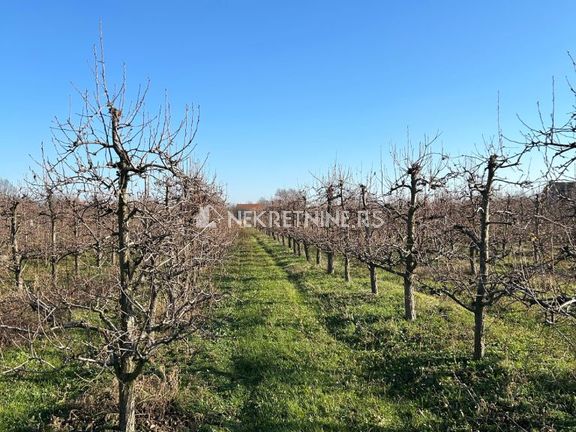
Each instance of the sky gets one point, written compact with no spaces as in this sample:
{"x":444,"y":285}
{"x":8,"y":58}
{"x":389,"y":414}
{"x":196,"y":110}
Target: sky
{"x":286,"y":89}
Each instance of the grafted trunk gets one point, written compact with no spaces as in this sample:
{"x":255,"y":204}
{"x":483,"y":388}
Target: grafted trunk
{"x":347,"y":276}
{"x":330,"y":262}
{"x":76,"y":265}
{"x":479,"y":346}
{"x":76,"y":242}
{"x":537,"y":242}
{"x":53,"y":252}
{"x":16,"y":255}
{"x":318,"y":256}
{"x":409,"y":306}
{"x":98,"y":254}
{"x":347,"y":237}
{"x":410,"y":262}
{"x":307,"y":251}
{"x":484,"y":257}
{"x":330,"y":254}
{"x":368,"y":239}
{"x":18,"y":280}
{"x":127,"y":406}
{"x":479,"y":304}
{"x":472,"y":258}
{"x":373,"y":279}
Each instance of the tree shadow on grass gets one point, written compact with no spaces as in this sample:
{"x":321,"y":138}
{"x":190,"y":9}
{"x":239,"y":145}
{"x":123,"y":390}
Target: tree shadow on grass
{"x":32,"y":398}
{"x":486,"y":395}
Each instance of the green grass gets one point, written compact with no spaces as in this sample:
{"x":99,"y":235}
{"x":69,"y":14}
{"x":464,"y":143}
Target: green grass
{"x":275,"y":366}
{"x":28,"y":400}
{"x":290,"y":348}
{"x":299,"y":350}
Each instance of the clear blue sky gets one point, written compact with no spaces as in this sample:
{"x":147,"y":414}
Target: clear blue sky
{"x":288,"y":87}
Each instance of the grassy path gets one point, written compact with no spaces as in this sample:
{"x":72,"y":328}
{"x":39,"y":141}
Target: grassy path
{"x":298,"y":350}
{"x":277,"y":367}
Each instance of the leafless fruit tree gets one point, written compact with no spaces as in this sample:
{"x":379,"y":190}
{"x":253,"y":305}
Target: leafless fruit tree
{"x":419,"y":175}
{"x":478,"y":218}
{"x":127,"y":177}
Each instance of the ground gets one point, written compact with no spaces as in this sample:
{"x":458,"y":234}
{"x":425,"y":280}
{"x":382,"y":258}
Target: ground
{"x":289,"y":348}
{"x":299,"y":350}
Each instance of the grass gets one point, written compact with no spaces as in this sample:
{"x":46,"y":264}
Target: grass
{"x":299,"y":350}
{"x":276,"y":367}
{"x":29,"y":400}
{"x":290,"y":348}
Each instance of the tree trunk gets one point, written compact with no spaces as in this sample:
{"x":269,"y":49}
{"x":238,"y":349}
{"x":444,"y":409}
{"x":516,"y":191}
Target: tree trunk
{"x":16,"y":255}
{"x":283,"y":241}
{"x":536,"y":243}
{"x":330,"y":262}
{"x":318,"y":256}
{"x":409,"y":306}
{"x":410,"y":262}
{"x":98,"y":255}
{"x":368,"y":237}
{"x":484,"y":256}
{"x":127,"y":406}
{"x":299,"y":248}
{"x":76,"y":241}
{"x":126,"y":371}
{"x":330,"y":253}
{"x":373,"y":279}
{"x":478,"y":330}
{"x":347,"y":276}
{"x":53,"y":253}
{"x":289,"y":242}
{"x":18,"y":280}
{"x":306,"y":251}
{"x":76,"y":265}
{"x":472,"y":258}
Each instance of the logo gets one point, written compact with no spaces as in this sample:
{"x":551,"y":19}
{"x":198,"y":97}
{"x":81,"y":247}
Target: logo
{"x":208,"y":216}
{"x":204,"y":219}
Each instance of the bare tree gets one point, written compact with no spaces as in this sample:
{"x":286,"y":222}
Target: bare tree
{"x":365,"y":239}
{"x":479,"y":289}
{"x":417,"y":175}
{"x":138,"y":168}
{"x":555,"y":211}
{"x":329,"y":191}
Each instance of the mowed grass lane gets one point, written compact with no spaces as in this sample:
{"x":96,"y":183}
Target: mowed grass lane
{"x":298,"y":350}
{"x":274,"y":366}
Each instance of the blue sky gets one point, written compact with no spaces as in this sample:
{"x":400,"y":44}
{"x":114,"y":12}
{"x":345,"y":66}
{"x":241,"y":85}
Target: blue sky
{"x":286,"y":88}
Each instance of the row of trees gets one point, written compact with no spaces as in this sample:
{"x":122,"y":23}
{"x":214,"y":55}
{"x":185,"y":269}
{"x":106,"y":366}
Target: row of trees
{"x":471,"y":228}
{"x":103,"y":250}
